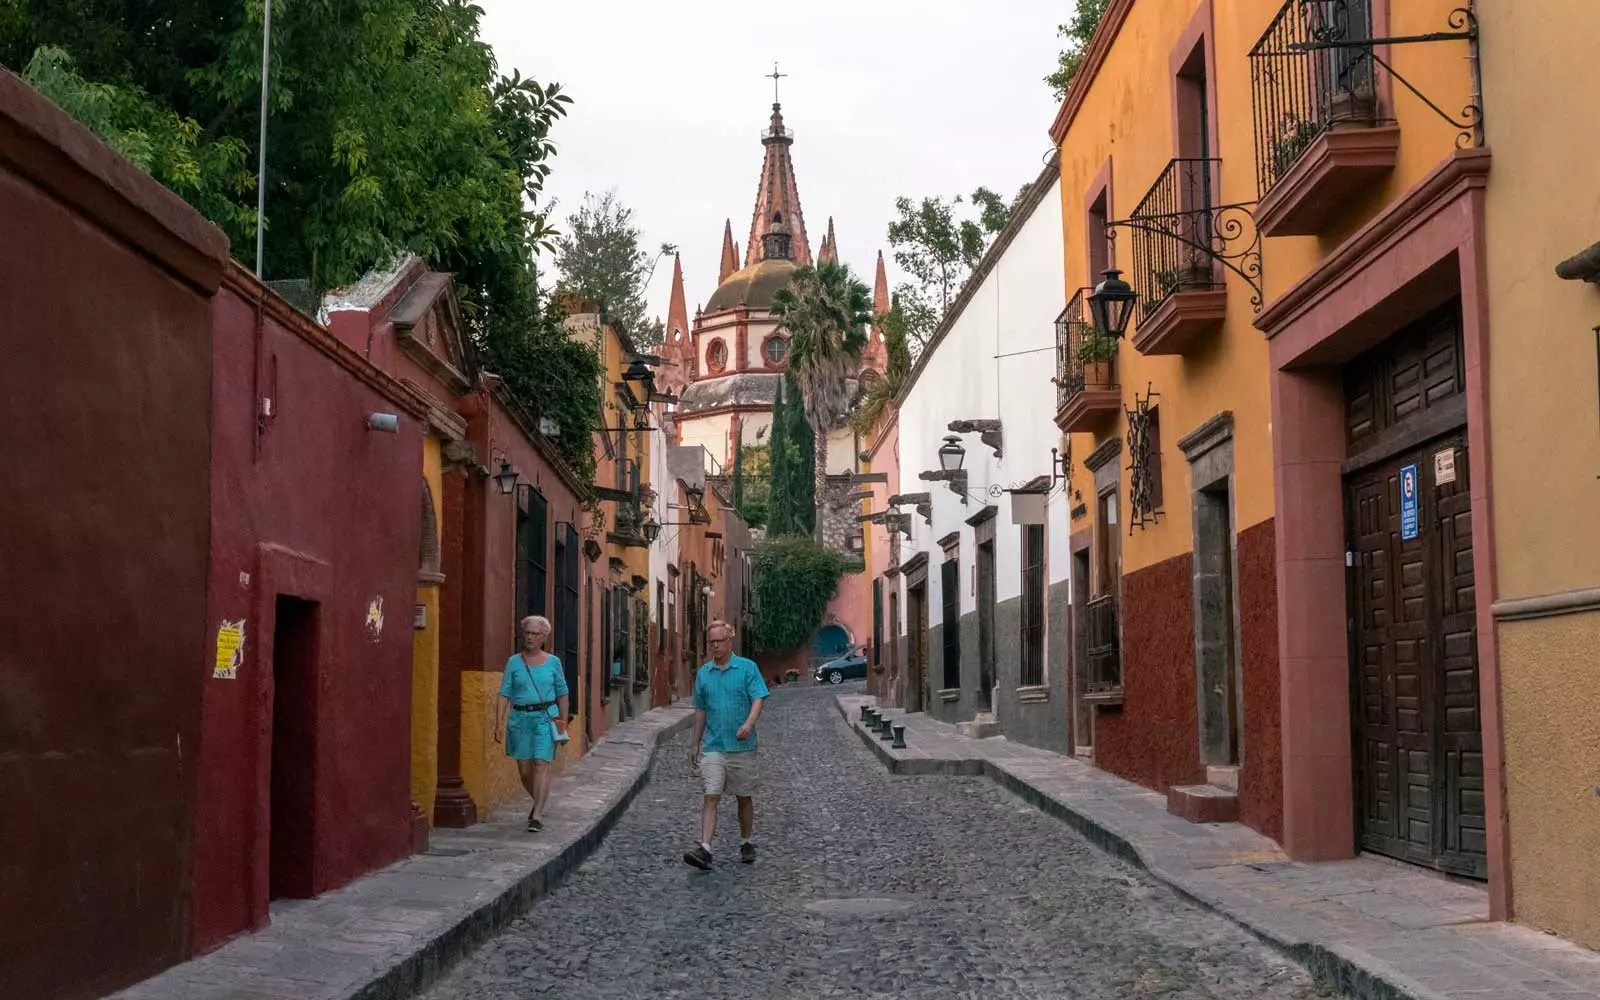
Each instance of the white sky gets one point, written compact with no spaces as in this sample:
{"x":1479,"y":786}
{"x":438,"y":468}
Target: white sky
{"x":886,"y":97}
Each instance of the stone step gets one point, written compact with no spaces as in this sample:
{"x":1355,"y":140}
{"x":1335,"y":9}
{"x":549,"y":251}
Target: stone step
{"x":980,"y":728}
{"x":1203,"y":803}
{"x":1224,"y":777}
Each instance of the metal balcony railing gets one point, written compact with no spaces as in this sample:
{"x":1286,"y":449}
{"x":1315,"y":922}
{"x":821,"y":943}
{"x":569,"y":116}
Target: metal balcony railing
{"x":1086,"y":358}
{"x":1175,"y":234}
{"x":1105,"y":654}
{"x":1299,"y":93}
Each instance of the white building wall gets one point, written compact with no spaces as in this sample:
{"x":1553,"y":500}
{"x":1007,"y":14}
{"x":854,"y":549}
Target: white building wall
{"x":996,"y":361}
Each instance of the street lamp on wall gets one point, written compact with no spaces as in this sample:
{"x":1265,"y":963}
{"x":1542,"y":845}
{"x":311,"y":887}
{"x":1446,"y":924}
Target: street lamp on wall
{"x":506,"y":478}
{"x":1111,"y":304}
{"x":651,"y":529}
{"x":951,"y":454}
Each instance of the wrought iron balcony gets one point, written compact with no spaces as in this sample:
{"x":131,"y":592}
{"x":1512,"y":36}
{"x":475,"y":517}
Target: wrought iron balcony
{"x":1086,"y":368}
{"x":1104,"y":681}
{"x":1174,"y":231}
{"x":1310,"y":76}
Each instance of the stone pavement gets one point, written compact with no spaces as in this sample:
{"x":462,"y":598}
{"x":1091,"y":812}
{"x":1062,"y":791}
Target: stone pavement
{"x":1372,"y":927}
{"x":391,"y":932}
{"x":867,"y":885}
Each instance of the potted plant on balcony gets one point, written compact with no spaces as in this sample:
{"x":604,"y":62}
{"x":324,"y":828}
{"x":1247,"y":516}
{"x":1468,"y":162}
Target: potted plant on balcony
{"x":1095,"y":352}
{"x":1356,"y":101}
{"x":1292,"y":142}
{"x":1193,"y":273}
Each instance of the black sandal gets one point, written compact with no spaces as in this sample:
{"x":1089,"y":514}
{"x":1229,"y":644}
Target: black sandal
{"x":534,"y":826}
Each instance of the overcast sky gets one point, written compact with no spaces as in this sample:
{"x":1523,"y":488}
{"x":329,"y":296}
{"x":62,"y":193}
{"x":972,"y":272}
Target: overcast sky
{"x":886,"y":97}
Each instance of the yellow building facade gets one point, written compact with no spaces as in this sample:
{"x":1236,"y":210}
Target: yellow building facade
{"x":1282,"y":542}
{"x":1543,"y":216}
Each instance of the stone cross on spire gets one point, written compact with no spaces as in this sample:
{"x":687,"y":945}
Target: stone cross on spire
{"x":775,"y":76}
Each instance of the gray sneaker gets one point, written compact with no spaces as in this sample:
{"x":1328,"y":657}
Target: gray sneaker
{"x":699,"y":858}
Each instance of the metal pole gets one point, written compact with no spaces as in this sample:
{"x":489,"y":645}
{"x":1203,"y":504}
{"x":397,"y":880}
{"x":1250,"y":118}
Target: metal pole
{"x":261,"y":171}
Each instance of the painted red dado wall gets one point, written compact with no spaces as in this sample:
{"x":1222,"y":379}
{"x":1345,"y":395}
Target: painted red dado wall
{"x":1261,"y":775}
{"x":314,"y":506}
{"x":105,"y":397}
{"x":1154,"y":738}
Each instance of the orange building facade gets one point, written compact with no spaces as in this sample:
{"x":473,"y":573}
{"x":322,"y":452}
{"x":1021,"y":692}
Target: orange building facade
{"x":1284,"y":538}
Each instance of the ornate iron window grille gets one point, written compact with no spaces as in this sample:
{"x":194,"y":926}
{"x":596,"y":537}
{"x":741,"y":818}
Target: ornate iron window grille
{"x":1181,"y":235}
{"x":1086,"y":357}
{"x":1142,"y":507}
{"x":1314,"y":67}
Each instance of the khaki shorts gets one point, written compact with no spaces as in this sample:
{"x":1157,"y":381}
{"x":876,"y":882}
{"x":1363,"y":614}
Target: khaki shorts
{"x":729,"y":773}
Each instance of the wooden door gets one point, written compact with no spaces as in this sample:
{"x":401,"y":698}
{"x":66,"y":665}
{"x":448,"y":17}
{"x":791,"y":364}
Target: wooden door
{"x":917,"y":643}
{"x":1419,"y":745}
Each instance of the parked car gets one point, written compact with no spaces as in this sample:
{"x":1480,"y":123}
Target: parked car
{"x":850,"y":666}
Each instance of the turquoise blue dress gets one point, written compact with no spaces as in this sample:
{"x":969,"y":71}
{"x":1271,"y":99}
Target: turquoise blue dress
{"x":532,"y":735}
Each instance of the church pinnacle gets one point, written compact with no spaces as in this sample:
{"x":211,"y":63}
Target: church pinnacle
{"x":777,"y":194}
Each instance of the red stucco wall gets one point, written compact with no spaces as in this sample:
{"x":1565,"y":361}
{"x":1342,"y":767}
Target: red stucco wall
{"x":1154,"y":738}
{"x":105,"y":397}
{"x":1261,"y":776}
{"x":319,"y":507}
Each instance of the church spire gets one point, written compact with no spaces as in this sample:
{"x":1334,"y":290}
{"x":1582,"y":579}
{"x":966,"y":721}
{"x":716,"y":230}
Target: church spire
{"x":730,"y":252}
{"x":830,"y":245}
{"x":777,"y":194}
{"x":677,"y":312}
{"x":876,"y":353}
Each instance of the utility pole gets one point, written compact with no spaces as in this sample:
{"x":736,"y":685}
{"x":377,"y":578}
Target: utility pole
{"x":261,"y":170}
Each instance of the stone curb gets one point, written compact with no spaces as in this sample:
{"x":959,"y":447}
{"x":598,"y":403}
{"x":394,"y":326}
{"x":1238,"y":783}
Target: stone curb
{"x":424,"y":966}
{"x":1325,"y":964}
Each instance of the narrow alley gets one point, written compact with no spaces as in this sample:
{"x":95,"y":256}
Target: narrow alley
{"x":867,"y":885}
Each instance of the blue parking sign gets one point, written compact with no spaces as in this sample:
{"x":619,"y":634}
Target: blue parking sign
{"x":1408,"y":502}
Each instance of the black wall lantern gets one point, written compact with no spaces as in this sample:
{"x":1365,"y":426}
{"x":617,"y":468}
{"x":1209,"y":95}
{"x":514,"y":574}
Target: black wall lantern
{"x":1111,"y":304}
{"x":951,"y":454}
{"x":637,"y":372}
{"x":506,"y":477}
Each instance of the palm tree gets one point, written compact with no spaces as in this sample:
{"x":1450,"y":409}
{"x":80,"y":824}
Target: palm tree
{"x":880,"y":390}
{"x":825,"y":310}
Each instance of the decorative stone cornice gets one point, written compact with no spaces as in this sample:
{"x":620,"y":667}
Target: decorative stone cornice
{"x":1207,"y":436}
{"x":957,"y":480}
{"x":1107,"y":452}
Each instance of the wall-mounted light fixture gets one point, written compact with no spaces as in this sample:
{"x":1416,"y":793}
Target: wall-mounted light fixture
{"x":506,"y":477}
{"x":951,"y":454}
{"x":388,"y":423}
{"x":1111,"y":304}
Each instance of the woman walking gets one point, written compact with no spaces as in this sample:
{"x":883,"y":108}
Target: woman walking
{"x":533,"y":693}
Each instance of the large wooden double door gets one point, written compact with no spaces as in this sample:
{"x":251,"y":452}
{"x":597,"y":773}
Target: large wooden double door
{"x":1413,"y":635}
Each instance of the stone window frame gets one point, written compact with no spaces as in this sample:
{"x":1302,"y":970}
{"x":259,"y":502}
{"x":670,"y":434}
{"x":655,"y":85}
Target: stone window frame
{"x":714,"y":364}
{"x":766,"y":347}
{"x":1210,"y":452}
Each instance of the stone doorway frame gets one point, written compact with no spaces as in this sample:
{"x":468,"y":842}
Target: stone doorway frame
{"x":1218,"y":653}
{"x":1428,"y":246}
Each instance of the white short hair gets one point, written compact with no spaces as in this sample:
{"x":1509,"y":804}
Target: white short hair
{"x":540,"y":621}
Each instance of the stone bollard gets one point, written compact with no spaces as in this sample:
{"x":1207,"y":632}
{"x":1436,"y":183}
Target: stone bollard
{"x":865,"y":709}
{"x":899,"y":738}
{"x":885,"y":730}
{"x":871,"y":718}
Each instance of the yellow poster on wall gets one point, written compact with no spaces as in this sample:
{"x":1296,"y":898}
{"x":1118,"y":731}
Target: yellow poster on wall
{"x":230,"y":650}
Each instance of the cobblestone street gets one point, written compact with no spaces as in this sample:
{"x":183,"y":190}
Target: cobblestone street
{"x":867,"y":886}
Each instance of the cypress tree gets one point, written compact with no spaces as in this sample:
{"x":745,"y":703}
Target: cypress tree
{"x":738,"y":475}
{"x":780,"y":513}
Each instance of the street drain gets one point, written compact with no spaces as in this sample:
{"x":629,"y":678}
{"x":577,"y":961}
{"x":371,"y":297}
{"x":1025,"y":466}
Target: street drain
{"x":864,"y":906}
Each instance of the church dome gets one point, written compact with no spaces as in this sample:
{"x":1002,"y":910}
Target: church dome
{"x":752,"y":287}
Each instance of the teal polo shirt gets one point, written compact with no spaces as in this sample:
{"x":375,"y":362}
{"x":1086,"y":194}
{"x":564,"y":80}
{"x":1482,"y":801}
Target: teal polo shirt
{"x":725,"y":694}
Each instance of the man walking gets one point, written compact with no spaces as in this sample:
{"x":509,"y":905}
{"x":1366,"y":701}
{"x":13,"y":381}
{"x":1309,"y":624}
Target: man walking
{"x":728,"y":693}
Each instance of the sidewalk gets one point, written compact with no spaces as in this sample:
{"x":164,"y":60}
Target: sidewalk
{"x":1374,"y":928}
{"x":392,"y":932}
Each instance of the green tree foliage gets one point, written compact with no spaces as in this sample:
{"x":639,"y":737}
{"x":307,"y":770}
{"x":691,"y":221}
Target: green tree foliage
{"x":939,"y":249}
{"x":601,"y":262}
{"x":826,"y":310}
{"x":755,"y":469}
{"x":919,"y":317}
{"x":1078,"y":32}
{"x":795,"y":578}
{"x":391,"y":130}
{"x":881,"y":391}
{"x":794,"y":455}
{"x":214,"y":175}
